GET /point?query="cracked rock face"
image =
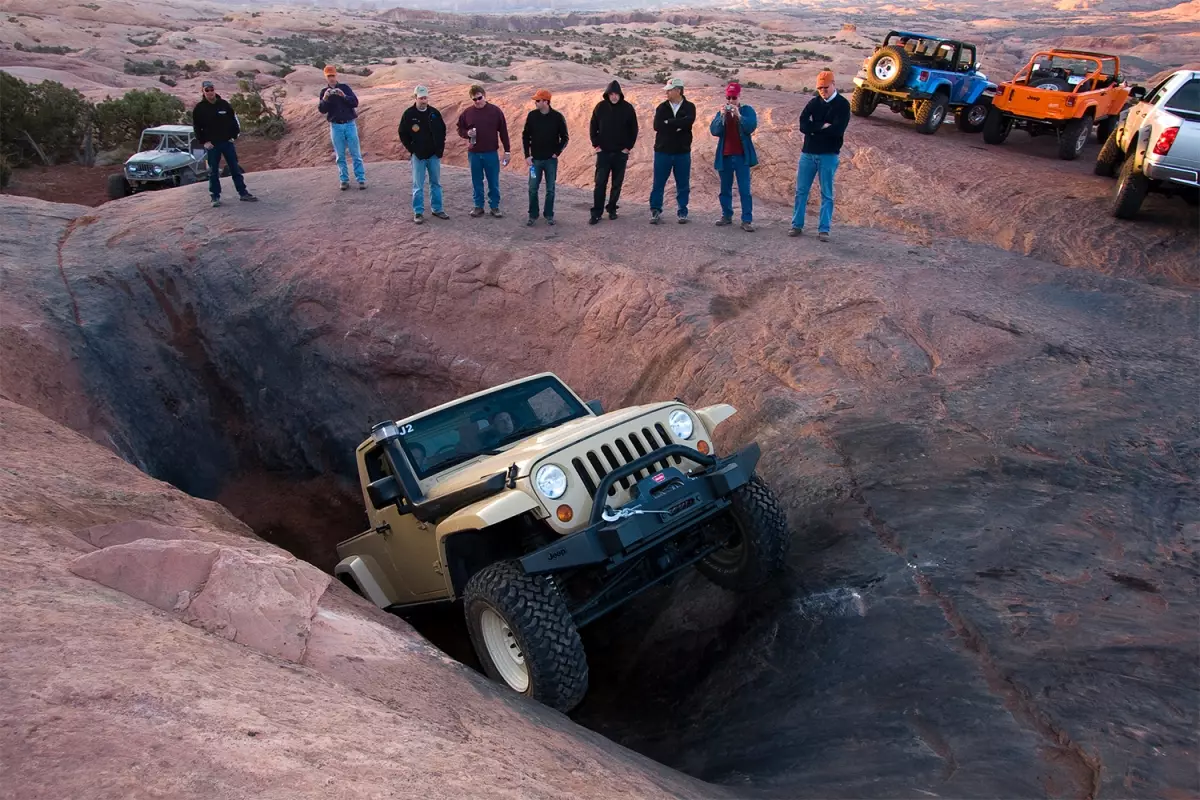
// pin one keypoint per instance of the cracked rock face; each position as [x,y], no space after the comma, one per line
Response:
[989,461]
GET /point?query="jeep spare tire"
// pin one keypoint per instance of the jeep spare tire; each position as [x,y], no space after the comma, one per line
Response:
[524,635]
[758,544]
[888,68]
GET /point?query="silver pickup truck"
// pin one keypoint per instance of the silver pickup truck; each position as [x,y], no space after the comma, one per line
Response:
[1156,146]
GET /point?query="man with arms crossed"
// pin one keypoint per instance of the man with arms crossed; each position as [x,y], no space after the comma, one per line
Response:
[823,123]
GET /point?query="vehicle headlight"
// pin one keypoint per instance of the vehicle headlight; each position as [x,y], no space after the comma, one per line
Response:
[551,481]
[681,424]
[158,170]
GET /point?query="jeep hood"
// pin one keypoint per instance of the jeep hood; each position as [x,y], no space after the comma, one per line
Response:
[525,452]
[162,158]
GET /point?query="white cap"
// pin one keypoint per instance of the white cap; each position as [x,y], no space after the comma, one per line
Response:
[420,91]
[674,83]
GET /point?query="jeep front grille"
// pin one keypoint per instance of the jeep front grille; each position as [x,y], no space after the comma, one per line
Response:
[597,463]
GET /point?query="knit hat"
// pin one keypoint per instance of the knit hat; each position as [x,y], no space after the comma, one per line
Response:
[329,70]
[734,89]
[541,94]
[825,76]
[421,91]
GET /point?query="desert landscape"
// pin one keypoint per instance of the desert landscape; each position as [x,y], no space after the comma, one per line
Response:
[977,403]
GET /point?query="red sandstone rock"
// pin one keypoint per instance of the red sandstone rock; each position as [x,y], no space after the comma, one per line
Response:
[165,574]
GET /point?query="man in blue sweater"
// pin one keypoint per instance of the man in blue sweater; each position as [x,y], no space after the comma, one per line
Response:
[337,102]
[823,123]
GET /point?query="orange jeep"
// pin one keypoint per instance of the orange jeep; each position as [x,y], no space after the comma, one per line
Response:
[1064,92]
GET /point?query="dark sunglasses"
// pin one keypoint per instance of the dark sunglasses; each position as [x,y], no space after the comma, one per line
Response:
[477,99]
[209,91]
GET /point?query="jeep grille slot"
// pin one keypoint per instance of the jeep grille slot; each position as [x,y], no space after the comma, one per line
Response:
[581,471]
[657,465]
[666,440]
[595,464]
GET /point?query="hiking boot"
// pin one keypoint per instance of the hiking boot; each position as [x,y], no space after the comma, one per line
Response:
[345,185]
[724,221]
[362,185]
[248,198]
[476,212]
[612,215]
[796,232]
[593,220]
[216,202]
[549,220]
[419,219]
[823,236]
[655,217]
[529,223]
[497,213]
[683,220]
[748,227]
[441,215]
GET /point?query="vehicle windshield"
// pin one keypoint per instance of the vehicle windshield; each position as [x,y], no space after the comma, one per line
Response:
[488,423]
[1072,69]
[163,141]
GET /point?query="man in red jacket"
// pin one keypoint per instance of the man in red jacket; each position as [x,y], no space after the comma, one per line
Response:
[484,127]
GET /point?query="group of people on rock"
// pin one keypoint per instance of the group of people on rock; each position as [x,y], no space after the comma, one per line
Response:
[613,131]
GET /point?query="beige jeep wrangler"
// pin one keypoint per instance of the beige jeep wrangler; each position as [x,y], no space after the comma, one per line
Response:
[542,513]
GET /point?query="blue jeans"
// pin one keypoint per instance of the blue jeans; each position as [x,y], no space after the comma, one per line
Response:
[731,166]
[664,165]
[227,150]
[549,168]
[420,167]
[345,135]
[485,164]
[811,165]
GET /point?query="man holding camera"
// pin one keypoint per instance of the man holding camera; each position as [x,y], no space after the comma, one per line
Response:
[338,103]
[733,125]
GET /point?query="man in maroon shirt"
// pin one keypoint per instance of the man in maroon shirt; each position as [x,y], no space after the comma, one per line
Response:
[484,127]
[733,124]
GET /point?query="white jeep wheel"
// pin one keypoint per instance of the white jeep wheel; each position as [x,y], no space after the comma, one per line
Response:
[504,651]
[885,68]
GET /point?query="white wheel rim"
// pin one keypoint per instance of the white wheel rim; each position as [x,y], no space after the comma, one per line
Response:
[939,114]
[1082,140]
[503,650]
[885,68]
[976,115]
[1052,87]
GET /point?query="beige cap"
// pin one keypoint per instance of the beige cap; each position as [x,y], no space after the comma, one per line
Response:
[421,91]
[674,83]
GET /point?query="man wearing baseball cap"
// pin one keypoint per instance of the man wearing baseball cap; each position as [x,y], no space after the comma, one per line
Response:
[216,127]
[823,123]
[338,102]
[733,124]
[544,138]
[423,134]
[673,120]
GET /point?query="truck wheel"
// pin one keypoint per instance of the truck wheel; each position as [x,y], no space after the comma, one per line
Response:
[1105,127]
[971,118]
[759,544]
[1073,137]
[524,635]
[1052,84]
[187,177]
[118,187]
[932,114]
[863,102]
[1110,157]
[996,126]
[888,68]
[1131,191]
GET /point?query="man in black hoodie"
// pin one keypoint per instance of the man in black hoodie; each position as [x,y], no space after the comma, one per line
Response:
[544,138]
[614,130]
[673,120]
[823,123]
[216,127]
[423,134]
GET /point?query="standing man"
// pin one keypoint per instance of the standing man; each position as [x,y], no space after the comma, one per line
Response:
[423,134]
[614,131]
[543,139]
[733,125]
[484,127]
[823,123]
[216,127]
[338,102]
[673,120]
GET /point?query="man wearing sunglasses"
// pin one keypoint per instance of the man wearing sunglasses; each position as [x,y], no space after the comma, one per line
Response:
[216,127]
[484,127]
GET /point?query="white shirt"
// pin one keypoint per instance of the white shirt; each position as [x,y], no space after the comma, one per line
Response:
[830,100]
[675,107]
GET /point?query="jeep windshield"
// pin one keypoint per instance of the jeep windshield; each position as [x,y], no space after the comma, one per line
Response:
[486,424]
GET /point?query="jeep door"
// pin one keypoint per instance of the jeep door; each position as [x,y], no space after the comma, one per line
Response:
[410,548]
[962,80]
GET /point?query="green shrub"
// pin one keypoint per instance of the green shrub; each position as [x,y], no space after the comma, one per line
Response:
[5,171]
[48,114]
[122,120]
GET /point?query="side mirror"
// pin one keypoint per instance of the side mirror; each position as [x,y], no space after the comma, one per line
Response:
[596,407]
[1137,92]
[384,492]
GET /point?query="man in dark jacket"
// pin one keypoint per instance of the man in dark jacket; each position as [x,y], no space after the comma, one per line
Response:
[614,130]
[544,138]
[485,128]
[338,102]
[823,123]
[216,127]
[733,125]
[423,134]
[673,120]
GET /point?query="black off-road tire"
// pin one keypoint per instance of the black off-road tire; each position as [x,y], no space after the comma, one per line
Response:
[760,541]
[1132,188]
[996,127]
[1073,137]
[978,112]
[541,624]
[118,187]
[1109,159]
[1051,84]
[932,113]
[187,177]
[903,64]
[863,102]
[1106,127]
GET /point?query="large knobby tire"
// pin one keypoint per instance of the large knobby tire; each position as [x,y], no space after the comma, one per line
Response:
[863,102]
[1073,137]
[525,636]
[759,545]
[1109,158]
[888,68]
[118,187]
[970,118]
[932,113]
[1132,187]
[1106,126]
[996,126]
[1051,84]
[187,177]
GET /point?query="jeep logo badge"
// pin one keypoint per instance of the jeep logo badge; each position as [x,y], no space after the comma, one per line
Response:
[559,553]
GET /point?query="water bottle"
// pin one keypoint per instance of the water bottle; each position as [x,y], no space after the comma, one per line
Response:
[532,173]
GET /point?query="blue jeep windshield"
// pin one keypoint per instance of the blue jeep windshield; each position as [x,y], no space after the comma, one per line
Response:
[487,423]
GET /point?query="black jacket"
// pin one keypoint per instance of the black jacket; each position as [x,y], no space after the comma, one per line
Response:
[338,110]
[545,135]
[215,122]
[673,132]
[818,139]
[614,125]
[423,133]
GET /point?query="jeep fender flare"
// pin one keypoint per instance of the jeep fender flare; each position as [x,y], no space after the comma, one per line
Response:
[712,416]
[980,94]
[484,514]
[942,86]
[371,581]
[1140,146]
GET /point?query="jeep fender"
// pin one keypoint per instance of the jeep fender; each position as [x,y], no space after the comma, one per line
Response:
[1141,146]
[371,581]
[976,95]
[486,513]
[712,416]
[940,86]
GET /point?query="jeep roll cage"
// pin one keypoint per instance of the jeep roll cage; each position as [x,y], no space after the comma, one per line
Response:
[924,47]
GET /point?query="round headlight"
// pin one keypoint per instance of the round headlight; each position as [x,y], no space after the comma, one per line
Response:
[681,424]
[551,481]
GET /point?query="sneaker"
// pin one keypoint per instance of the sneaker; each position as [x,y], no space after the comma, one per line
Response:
[655,217]
[724,221]
[476,212]
[419,219]
[612,215]
[362,185]
[216,202]
[796,232]
[248,198]
[441,215]
[823,236]
[683,220]
[593,220]
[345,185]
[497,213]
[529,223]
[748,227]
[549,220]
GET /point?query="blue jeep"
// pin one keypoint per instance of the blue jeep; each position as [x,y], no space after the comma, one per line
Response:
[924,78]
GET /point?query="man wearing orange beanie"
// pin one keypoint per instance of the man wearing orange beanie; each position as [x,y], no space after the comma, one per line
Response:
[337,102]
[544,138]
[823,123]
